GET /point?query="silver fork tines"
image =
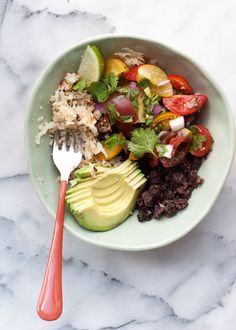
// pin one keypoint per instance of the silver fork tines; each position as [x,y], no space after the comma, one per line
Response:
[65,158]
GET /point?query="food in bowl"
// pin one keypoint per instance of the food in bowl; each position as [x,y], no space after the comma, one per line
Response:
[138,131]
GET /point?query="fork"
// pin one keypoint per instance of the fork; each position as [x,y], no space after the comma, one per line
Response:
[50,303]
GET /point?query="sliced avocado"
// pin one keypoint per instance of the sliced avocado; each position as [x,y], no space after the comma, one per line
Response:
[96,219]
[90,170]
[73,182]
[140,183]
[78,191]
[104,202]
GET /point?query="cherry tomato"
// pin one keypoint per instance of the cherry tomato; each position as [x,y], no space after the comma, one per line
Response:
[152,160]
[132,74]
[132,157]
[166,136]
[163,118]
[200,147]
[159,80]
[184,104]
[123,128]
[180,83]
[123,106]
[110,152]
[181,145]
[116,66]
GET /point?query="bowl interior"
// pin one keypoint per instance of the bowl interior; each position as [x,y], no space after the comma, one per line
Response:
[132,235]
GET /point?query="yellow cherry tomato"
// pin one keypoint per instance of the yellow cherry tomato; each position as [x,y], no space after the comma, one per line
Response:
[132,157]
[113,145]
[164,118]
[111,153]
[159,80]
[116,66]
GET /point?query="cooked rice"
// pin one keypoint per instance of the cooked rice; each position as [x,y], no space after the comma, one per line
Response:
[74,119]
[131,57]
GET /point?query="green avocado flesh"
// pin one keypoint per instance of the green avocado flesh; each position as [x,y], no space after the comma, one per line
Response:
[102,201]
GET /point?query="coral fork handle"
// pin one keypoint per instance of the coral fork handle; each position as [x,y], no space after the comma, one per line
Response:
[50,300]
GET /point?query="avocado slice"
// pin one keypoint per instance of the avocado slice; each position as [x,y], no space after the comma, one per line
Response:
[90,170]
[73,182]
[105,201]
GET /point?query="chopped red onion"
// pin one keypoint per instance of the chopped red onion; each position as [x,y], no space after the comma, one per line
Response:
[156,109]
[99,107]
[133,85]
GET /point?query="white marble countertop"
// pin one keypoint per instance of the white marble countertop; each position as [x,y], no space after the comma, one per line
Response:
[190,284]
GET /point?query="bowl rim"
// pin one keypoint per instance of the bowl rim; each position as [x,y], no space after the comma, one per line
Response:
[217,190]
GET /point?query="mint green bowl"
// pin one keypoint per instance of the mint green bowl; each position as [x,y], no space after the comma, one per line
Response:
[133,235]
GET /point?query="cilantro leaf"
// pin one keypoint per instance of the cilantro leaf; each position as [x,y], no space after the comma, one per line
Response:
[126,119]
[198,141]
[133,96]
[149,121]
[150,102]
[133,93]
[100,90]
[114,140]
[144,83]
[124,90]
[193,129]
[111,82]
[80,85]
[112,113]
[161,149]
[143,141]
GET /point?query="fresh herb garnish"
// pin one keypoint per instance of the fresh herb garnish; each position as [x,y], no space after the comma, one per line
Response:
[144,83]
[146,100]
[155,99]
[119,97]
[112,113]
[135,102]
[193,129]
[149,121]
[133,93]
[143,141]
[80,85]
[126,119]
[161,149]
[198,141]
[150,102]
[114,140]
[100,90]
[124,90]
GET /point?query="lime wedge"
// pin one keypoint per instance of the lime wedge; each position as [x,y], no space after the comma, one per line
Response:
[92,64]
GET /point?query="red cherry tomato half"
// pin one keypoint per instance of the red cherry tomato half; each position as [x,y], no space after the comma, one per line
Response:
[180,83]
[181,145]
[184,104]
[152,160]
[123,128]
[202,141]
[132,74]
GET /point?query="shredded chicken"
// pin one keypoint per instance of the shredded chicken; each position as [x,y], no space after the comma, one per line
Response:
[74,119]
[130,57]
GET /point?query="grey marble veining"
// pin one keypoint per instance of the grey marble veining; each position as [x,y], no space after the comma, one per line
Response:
[188,285]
